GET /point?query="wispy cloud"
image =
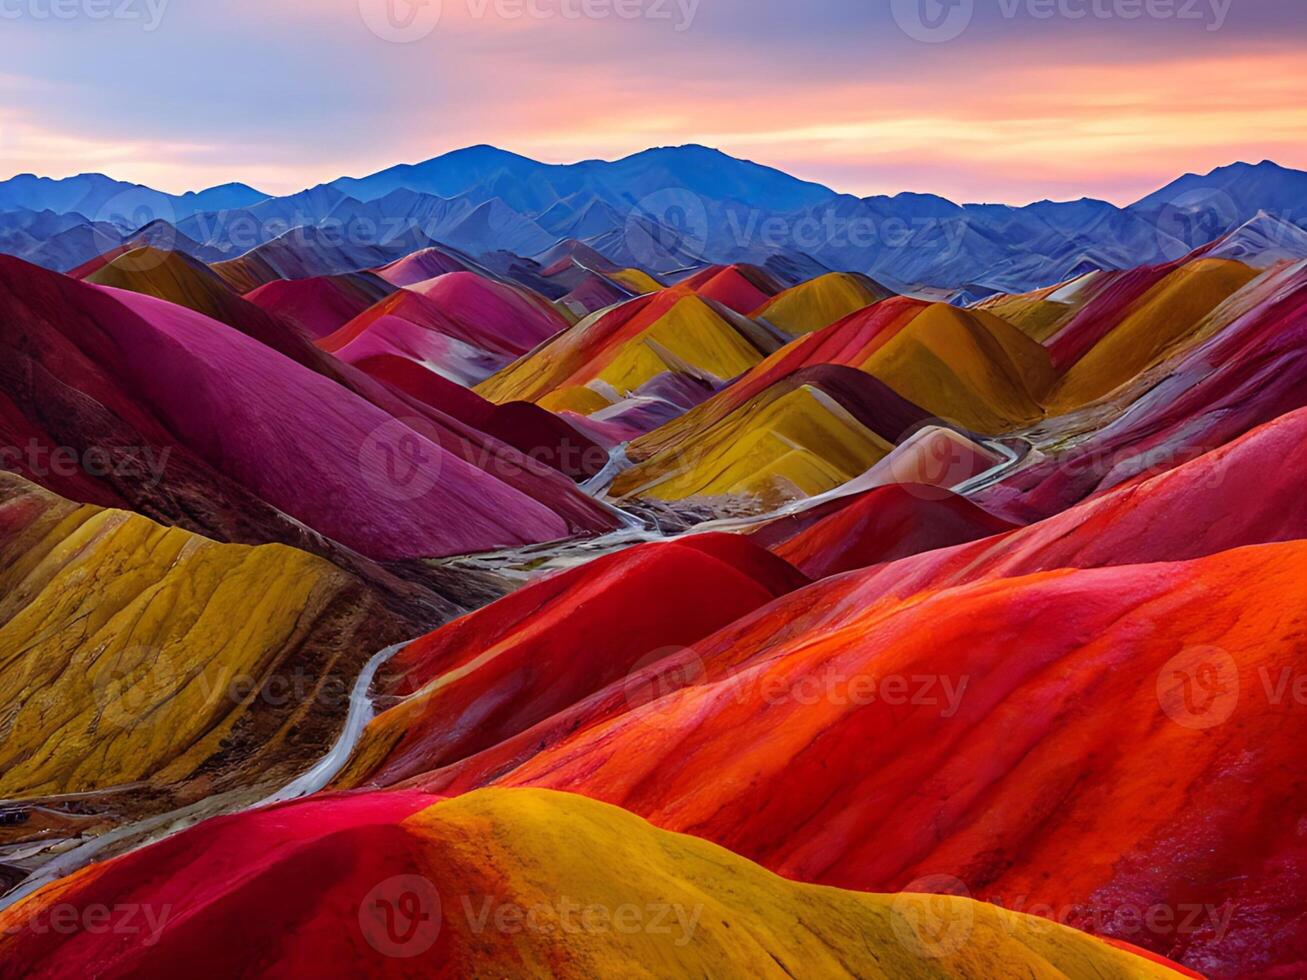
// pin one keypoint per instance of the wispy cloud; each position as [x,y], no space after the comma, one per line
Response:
[290,94]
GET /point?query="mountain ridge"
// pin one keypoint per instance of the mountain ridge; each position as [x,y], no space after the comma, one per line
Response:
[666,209]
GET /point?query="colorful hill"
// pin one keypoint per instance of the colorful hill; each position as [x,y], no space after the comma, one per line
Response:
[844,343]
[968,367]
[742,288]
[545,443]
[958,631]
[539,435]
[592,294]
[802,436]
[402,884]
[553,643]
[322,305]
[1162,317]
[820,302]
[140,665]
[171,276]
[879,526]
[1094,648]
[459,326]
[1242,369]
[610,355]
[420,266]
[515,316]
[237,414]
[1020,748]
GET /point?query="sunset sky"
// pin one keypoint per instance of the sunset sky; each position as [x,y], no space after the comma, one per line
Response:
[284,94]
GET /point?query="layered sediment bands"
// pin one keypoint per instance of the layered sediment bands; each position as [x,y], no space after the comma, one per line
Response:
[967,367]
[419,267]
[967,706]
[613,353]
[133,654]
[741,288]
[820,302]
[1011,610]
[805,434]
[312,884]
[457,326]
[182,281]
[846,342]
[1243,367]
[134,371]
[1162,317]
[497,672]
[882,525]
[539,435]
[1007,771]
[321,305]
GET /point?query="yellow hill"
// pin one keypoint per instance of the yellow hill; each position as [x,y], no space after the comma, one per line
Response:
[820,302]
[169,276]
[636,280]
[966,366]
[1168,314]
[126,647]
[578,399]
[719,915]
[690,334]
[779,447]
[1034,315]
